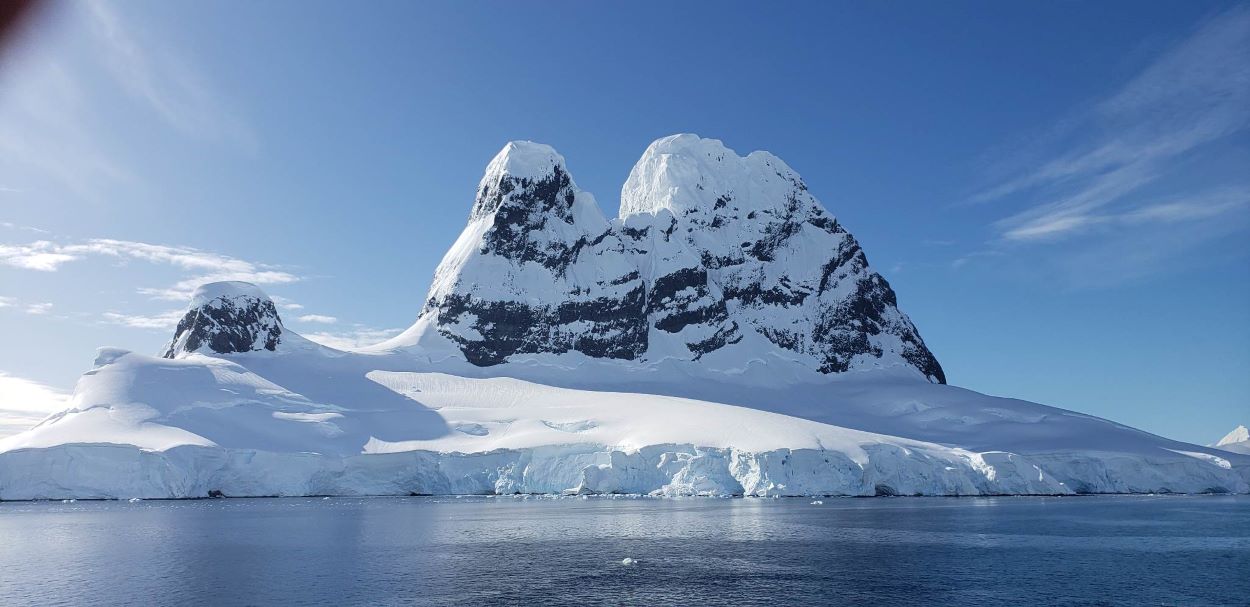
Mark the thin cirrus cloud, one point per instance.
(34, 309)
(1191, 97)
(48, 256)
(161, 321)
(318, 318)
(13, 226)
(285, 303)
(48, 133)
(174, 89)
(40, 255)
(54, 132)
(1204, 205)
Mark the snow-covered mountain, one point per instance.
(716, 259)
(1237, 441)
(724, 335)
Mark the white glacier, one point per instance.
(143, 427)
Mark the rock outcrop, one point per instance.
(227, 318)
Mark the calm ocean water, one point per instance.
(1169, 550)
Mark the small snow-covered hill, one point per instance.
(227, 317)
(723, 336)
(1237, 441)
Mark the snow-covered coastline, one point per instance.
(123, 472)
(724, 337)
(232, 432)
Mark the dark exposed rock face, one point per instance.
(510, 327)
(713, 253)
(544, 271)
(523, 205)
(227, 318)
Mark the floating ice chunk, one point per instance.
(628, 562)
(818, 503)
(134, 500)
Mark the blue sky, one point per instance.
(1059, 193)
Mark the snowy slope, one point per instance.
(1237, 441)
(303, 419)
(724, 336)
(149, 427)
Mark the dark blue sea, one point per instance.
(1128, 550)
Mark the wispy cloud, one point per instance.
(286, 304)
(358, 336)
(318, 318)
(1200, 206)
(162, 321)
(7, 302)
(24, 403)
(175, 90)
(40, 255)
(1192, 96)
(38, 309)
(47, 256)
(58, 116)
(208, 267)
(48, 133)
(13, 226)
(963, 260)
(1130, 255)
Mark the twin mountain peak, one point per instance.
(716, 260)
